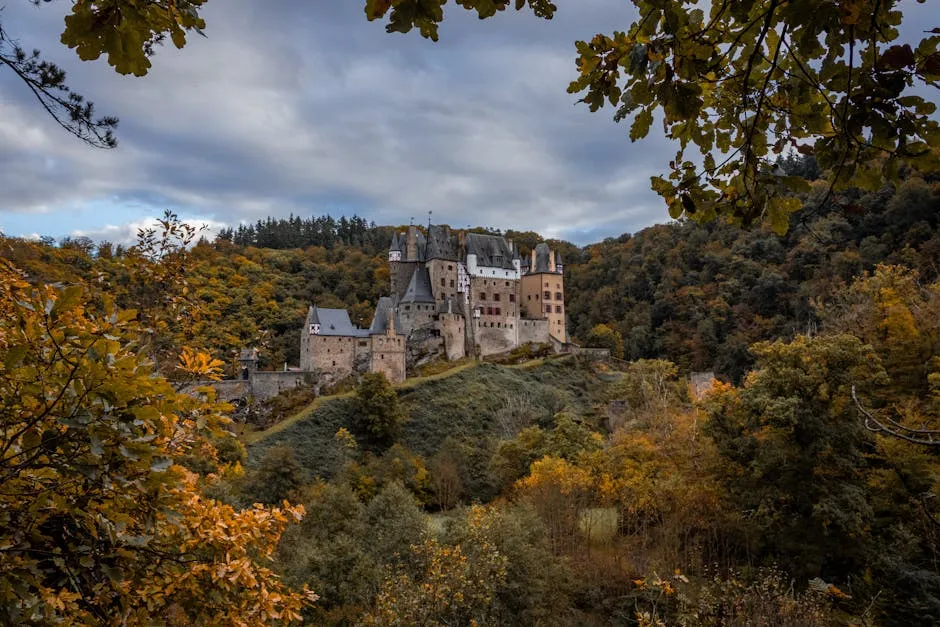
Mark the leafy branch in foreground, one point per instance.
(745, 80)
(46, 81)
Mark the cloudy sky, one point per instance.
(306, 107)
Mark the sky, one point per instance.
(308, 108)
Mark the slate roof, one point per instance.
(488, 248)
(395, 245)
(541, 259)
(380, 319)
(334, 322)
(441, 244)
(419, 288)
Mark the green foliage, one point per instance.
(378, 416)
(797, 448)
(396, 522)
(603, 336)
(277, 477)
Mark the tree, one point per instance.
(604, 336)
(746, 83)
(380, 418)
(99, 522)
(797, 449)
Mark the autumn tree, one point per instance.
(796, 450)
(99, 523)
(604, 336)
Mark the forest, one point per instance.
(799, 490)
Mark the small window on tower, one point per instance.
(548, 309)
(512, 298)
(496, 297)
(558, 296)
(442, 281)
(557, 308)
(482, 295)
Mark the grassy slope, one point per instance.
(462, 403)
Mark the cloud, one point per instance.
(308, 108)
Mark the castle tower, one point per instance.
(543, 290)
(248, 362)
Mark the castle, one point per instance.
(452, 295)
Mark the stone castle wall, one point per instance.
(453, 332)
(388, 356)
(533, 331)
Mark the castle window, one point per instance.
(548, 309)
(452, 283)
(382, 356)
(496, 297)
(489, 311)
(442, 281)
(407, 307)
(510, 325)
(512, 298)
(363, 343)
(547, 295)
(558, 296)
(557, 308)
(507, 283)
(528, 296)
(450, 267)
(557, 286)
(334, 363)
(482, 295)
(499, 325)
(497, 311)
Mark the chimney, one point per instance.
(551, 260)
(391, 321)
(532, 268)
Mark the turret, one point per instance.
(559, 266)
(248, 362)
(394, 251)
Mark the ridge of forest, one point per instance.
(697, 295)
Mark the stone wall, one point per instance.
(265, 385)
(227, 391)
(534, 289)
(388, 356)
(452, 331)
(416, 316)
(334, 354)
(494, 331)
(533, 331)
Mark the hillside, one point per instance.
(476, 406)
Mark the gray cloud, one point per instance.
(312, 109)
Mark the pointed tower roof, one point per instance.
(542, 257)
(384, 311)
(396, 245)
(419, 288)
